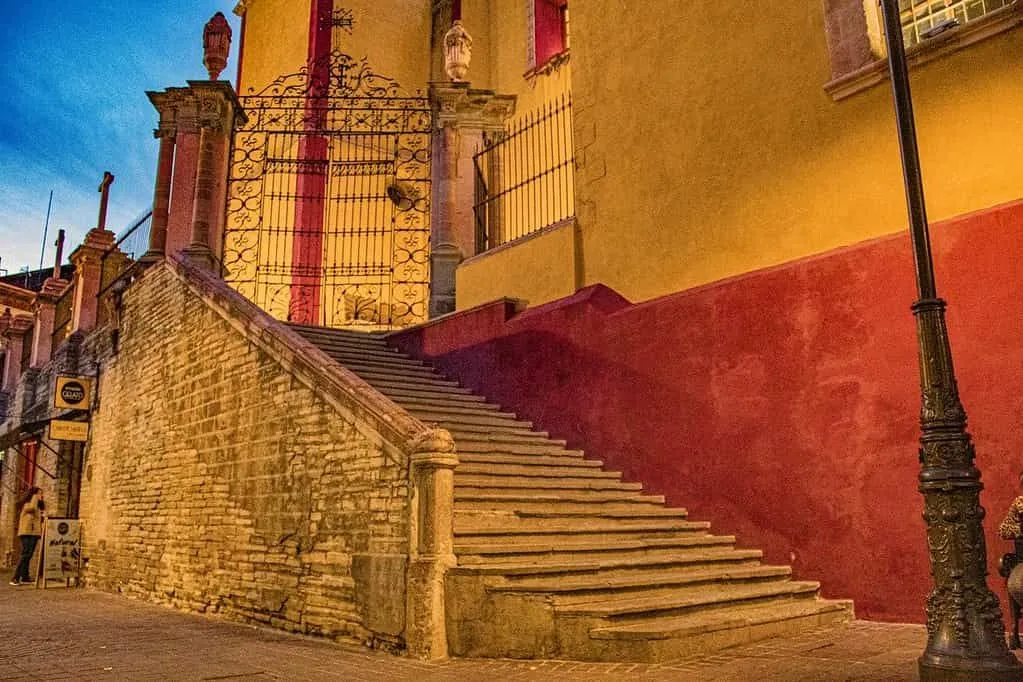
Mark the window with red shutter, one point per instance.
(550, 29)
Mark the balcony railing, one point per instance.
(525, 176)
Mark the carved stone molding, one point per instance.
(458, 105)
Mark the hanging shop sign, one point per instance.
(72, 393)
(65, 429)
(62, 549)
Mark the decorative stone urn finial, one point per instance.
(216, 43)
(457, 52)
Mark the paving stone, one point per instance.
(85, 635)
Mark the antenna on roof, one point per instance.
(46, 227)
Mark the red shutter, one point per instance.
(31, 452)
(549, 34)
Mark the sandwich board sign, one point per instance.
(72, 393)
(62, 550)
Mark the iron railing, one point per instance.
(131, 245)
(525, 176)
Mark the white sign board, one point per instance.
(64, 429)
(62, 549)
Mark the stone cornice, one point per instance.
(53, 289)
(201, 104)
(459, 106)
(20, 325)
(15, 297)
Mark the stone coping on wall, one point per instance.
(320, 372)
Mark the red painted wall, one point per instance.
(781, 405)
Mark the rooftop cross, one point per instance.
(104, 190)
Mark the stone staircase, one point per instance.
(558, 558)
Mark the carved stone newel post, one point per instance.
(431, 552)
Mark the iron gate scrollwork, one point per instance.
(328, 216)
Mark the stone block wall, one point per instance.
(219, 479)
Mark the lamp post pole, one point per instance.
(966, 637)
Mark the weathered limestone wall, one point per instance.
(218, 480)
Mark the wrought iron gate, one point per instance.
(328, 216)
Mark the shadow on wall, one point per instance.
(782, 405)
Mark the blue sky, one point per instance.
(73, 104)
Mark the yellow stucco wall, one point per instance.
(276, 41)
(708, 147)
(723, 153)
(393, 34)
(538, 269)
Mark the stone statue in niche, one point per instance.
(1011, 565)
(457, 52)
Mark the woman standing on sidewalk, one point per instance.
(30, 527)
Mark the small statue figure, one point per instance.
(457, 52)
(1011, 565)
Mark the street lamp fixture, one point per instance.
(965, 634)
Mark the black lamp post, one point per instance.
(966, 638)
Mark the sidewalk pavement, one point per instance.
(61, 634)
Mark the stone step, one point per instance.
(375, 349)
(555, 504)
(513, 428)
(394, 360)
(541, 447)
(592, 532)
(471, 404)
(472, 468)
(404, 379)
(490, 482)
(539, 552)
(483, 419)
(562, 458)
(487, 524)
(386, 368)
(554, 497)
(612, 566)
(749, 616)
(535, 438)
(626, 606)
(333, 334)
(397, 390)
(589, 586)
(632, 512)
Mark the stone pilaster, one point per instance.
(45, 314)
(88, 262)
(196, 126)
(463, 116)
(166, 133)
(15, 334)
(431, 552)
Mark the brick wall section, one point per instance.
(225, 476)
